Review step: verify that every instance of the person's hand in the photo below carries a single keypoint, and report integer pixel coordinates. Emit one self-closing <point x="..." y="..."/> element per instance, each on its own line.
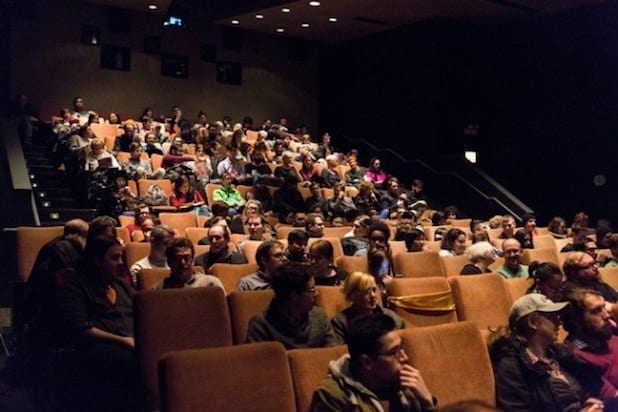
<point x="412" y="379"/>
<point x="129" y="341"/>
<point x="592" y="405"/>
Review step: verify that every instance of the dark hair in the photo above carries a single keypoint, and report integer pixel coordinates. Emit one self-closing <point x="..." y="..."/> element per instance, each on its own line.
<point x="542" y="272"/>
<point x="450" y="210"/>
<point x="290" y="277"/>
<point x="219" y="208"/>
<point x="364" y="335"/>
<point x="178" y="243"/>
<point x="437" y="218"/>
<point x="371" y="162"/>
<point x="310" y="219"/>
<point x="527" y="216"/>
<point x="99" y="226"/>
<point x="298" y="236"/>
<point x="448" y="241"/>
<point x="380" y="227"/>
<point x="410" y="236"/>
<point x="572" y="318"/>
<point x="264" y="250"/>
<point x="95" y="249"/>
<point x="554" y="224"/>
<point x="323" y="248"/>
<point x="182" y="179"/>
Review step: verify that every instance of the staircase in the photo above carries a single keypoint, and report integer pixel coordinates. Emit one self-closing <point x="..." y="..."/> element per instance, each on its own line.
<point x="53" y="190"/>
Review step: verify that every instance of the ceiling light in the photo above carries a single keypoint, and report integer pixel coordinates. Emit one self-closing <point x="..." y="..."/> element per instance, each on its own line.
<point x="332" y="19"/>
<point x="259" y="16"/>
<point x="153" y="6"/>
<point x="305" y="25"/>
<point x="235" y="22"/>
<point x="280" y="30"/>
<point x="314" y="3"/>
<point x="285" y="10"/>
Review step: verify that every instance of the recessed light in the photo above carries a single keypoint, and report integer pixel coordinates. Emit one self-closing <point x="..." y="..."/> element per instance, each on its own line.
<point x="235" y="22"/>
<point x="332" y="19"/>
<point x="153" y="6"/>
<point x="314" y="3"/>
<point x="305" y="25"/>
<point x="280" y="30"/>
<point x="259" y="16"/>
<point x="285" y="10"/>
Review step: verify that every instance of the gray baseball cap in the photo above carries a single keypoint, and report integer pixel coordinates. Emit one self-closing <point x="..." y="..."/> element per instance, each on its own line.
<point x="534" y="302"/>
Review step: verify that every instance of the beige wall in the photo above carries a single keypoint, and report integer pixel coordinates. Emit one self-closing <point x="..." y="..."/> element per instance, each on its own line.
<point x="51" y="66"/>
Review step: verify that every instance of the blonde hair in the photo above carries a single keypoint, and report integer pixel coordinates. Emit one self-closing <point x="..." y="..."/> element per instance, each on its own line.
<point x="356" y="285"/>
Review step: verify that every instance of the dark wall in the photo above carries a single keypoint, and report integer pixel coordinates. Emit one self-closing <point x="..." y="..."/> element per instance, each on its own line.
<point x="544" y="92"/>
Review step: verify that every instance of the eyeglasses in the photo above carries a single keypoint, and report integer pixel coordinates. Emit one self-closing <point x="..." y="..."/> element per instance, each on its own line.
<point x="588" y="266"/>
<point x="396" y="351"/>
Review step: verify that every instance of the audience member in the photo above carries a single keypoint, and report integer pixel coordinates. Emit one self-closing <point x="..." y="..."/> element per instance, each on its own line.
<point x="526" y="235"/>
<point x="415" y="240"/>
<point x="579" y="234"/>
<point x="184" y="196"/>
<point x="292" y="317"/>
<point x="557" y="227"/>
<point x="613" y="247"/>
<point x="220" y="252"/>
<point x="269" y="257"/>
<point x="297" y="246"/>
<point x="361" y="291"/>
<point x="591" y="336"/>
<point x="532" y="372"/>
<point x="180" y="253"/>
<point x="481" y="255"/>
<point x="321" y="256"/>
<point x="123" y="142"/>
<point x="582" y="272"/>
<point x="358" y="238"/>
<point x="512" y="267"/>
<point x="453" y="243"/>
<point x="374" y="173"/>
<point x="228" y="194"/>
<point x="508" y="227"/>
<point x="374" y="373"/>
<point x="548" y="280"/>
<point x="287" y="199"/>
<point x="160" y="237"/>
<point x="314" y="225"/>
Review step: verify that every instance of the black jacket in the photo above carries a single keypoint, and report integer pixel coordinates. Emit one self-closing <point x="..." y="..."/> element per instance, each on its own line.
<point x="522" y="386"/>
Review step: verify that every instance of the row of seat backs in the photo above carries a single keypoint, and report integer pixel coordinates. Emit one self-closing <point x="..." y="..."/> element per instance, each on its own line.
<point x="262" y="376"/>
<point x="166" y="320"/>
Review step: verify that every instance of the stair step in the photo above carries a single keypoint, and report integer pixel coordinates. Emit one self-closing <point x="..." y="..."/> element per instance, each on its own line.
<point x="65" y="214"/>
<point x="57" y="202"/>
<point x="51" y="192"/>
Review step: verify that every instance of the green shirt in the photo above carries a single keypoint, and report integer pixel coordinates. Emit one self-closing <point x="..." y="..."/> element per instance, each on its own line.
<point x="521" y="272"/>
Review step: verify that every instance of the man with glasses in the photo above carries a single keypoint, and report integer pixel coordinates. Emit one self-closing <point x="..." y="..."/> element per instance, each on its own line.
<point x="512" y="267"/>
<point x="374" y="374"/>
<point x="292" y="317"/>
<point x="582" y="272"/>
<point x="270" y="256"/>
<point x="180" y="254"/>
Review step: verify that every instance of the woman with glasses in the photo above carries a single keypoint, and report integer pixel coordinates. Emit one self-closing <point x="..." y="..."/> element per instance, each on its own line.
<point x="532" y="371"/>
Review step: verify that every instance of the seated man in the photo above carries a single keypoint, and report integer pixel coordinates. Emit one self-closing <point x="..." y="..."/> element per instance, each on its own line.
<point x="512" y="268"/>
<point x="218" y="238"/>
<point x="123" y="142"/>
<point x="138" y="168"/>
<point x="591" y="337"/>
<point x="228" y="194"/>
<point x="579" y="239"/>
<point x="508" y="227"/>
<point x="160" y="237"/>
<point x="525" y="236"/>
<point x="297" y="246"/>
<point x="314" y="225"/>
<point x="374" y="373"/>
<point x="292" y="317"/>
<point x="582" y="272"/>
<point x="180" y="253"/>
<point x="269" y="256"/>
<point x="357" y="238"/>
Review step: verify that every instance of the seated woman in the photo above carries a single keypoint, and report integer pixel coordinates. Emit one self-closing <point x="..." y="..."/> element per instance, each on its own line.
<point x="96" y="309"/>
<point x="330" y="175"/>
<point x="184" y="196"/>
<point x="203" y="165"/>
<point x="415" y="240"/>
<point x="453" y="243"/>
<point x="308" y="172"/>
<point x="548" y="279"/>
<point x="286" y="168"/>
<point x="366" y="200"/>
<point x="325" y="272"/>
<point x="481" y="255"/>
<point x="532" y="371"/>
<point x="99" y="157"/>
<point x="361" y="291"/>
<point x="557" y="227"/>
<point x="374" y="173"/>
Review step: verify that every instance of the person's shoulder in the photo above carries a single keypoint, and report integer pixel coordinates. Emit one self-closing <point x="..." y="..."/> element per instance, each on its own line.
<point x="317" y="313"/>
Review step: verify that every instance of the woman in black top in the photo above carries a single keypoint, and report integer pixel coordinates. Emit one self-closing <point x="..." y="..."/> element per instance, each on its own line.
<point x="481" y="255"/>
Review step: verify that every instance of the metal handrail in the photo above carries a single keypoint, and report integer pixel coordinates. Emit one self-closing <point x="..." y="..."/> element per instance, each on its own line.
<point x="454" y="174"/>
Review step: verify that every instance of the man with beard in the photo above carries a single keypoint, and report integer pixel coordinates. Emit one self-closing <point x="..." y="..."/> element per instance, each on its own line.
<point x="591" y="336"/>
<point x="512" y="268"/>
<point x="218" y="239"/>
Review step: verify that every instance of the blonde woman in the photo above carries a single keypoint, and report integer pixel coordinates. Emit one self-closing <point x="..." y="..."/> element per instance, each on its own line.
<point x="361" y="290"/>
